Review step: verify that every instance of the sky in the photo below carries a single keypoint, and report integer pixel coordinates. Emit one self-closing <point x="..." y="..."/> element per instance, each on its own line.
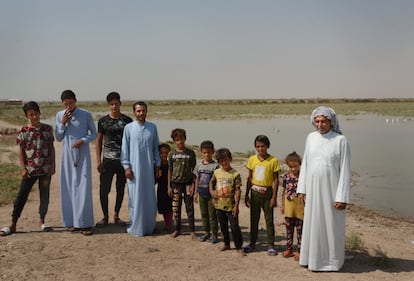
<point x="206" y="49"/>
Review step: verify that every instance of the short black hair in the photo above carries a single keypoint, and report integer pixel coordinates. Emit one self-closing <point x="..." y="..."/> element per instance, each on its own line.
<point x="223" y="153"/>
<point x="263" y="139"/>
<point x="31" y="105"/>
<point x="178" y="132"/>
<point x="113" y="96"/>
<point x="207" y="144"/>
<point x="142" y="103"/>
<point x="164" y="145"/>
<point x="68" y="94"/>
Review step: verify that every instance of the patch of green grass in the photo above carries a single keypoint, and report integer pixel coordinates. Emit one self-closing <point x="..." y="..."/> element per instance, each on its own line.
<point x="9" y="182"/>
<point x="354" y="243"/>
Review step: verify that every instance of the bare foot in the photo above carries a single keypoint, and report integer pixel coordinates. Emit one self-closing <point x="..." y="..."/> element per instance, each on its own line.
<point x="241" y="252"/>
<point x="175" y="234"/>
<point x="224" y="248"/>
<point x="193" y="236"/>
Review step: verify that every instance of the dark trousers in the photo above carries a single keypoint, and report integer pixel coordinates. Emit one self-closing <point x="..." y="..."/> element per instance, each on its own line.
<point x="260" y="202"/>
<point x="25" y="188"/>
<point x="224" y="218"/>
<point x="111" y="168"/>
<point x="180" y="193"/>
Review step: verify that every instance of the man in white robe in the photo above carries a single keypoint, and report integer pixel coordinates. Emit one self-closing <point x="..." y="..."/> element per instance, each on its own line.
<point x="140" y="158"/>
<point x="324" y="184"/>
<point x="76" y="128"/>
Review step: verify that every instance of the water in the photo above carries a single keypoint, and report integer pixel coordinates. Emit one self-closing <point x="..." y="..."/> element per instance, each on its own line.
<point x="381" y="151"/>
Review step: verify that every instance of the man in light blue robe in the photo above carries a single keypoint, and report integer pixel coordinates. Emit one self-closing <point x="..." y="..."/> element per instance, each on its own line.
<point x="76" y="128"/>
<point x="140" y="158"/>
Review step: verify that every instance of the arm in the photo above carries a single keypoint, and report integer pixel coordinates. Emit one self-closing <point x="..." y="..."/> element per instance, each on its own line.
<point x="212" y="188"/>
<point x="342" y="193"/>
<point x="22" y="161"/>
<point x="237" y="193"/>
<point x="129" y="174"/>
<point x="195" y="189"/>
<point x="53" y="158"/>
<point x="59" y="127"/>
<point x="248" y="187"/>
<point x="170" y="191"/>
<point x="273" y="201"/>
<point x="98" y="150"/>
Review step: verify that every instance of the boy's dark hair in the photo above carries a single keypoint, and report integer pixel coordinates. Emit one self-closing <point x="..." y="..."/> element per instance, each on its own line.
<point x="31" y="105"/>
<point x="113" y="96"/>
<point x="68" y="94"/>
<point x="294" y="157"/>
<point x="164" y="145"/>
<point x="263" y="139"/>
<point x="178" y="132"/>
<point x="207" y="145"/>
<point x="142" y="103"/>
<point x="223" y="153"/>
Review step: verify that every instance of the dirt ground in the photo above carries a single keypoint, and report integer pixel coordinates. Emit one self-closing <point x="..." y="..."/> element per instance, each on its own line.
<point x="112" y="254"/>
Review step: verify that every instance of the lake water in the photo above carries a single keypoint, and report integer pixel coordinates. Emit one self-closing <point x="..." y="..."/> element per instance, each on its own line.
<point x="381" y="151"/>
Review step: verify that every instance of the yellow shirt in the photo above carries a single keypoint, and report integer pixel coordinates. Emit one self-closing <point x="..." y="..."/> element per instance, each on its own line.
<point x="263" y="170"/>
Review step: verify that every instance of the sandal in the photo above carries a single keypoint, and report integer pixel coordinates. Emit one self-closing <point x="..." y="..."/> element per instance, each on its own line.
<point x="103" y="222"/>
<point x="120" y="222"/>
<point x="72" y="229"/>
<point x="5" y="231"/>
<point x="86" y="231"/>
<point x="271" y="252"/>
<point x="287" y="254"/>
<point x="204" y="238"/>
<point x="213" y="239"/>
<point x="249" y="248"/>
<point x="297" y="256"/>
<point x="46" y="228"/>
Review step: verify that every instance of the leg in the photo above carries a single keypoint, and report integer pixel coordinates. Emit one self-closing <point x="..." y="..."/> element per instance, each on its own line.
<point x="105" y="187"/>
<point x="213" y="221"/>
<point x="268" y="215"/>
<point x="204" y="210"/>
<point x="290" y="226"/>
<point x="25" y="188"/>
<point x="235" y="231"/>
<point x="44" y="190"/>
<point x="224" y="226"/>
<point x="254" y="217"/>
<point x="176" y="206"/>
<point x="189" y="208"/>
<point x="120" y="188"/>
<point x="299" y="226"/>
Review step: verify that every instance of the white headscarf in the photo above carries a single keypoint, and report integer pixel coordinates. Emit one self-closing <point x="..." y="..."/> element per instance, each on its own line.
<point x="328" y="113"/>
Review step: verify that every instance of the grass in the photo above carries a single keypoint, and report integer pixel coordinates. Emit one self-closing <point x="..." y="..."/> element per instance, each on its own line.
<point x="229" y="109"/>
<point x="9" y="182"/>
<point x="354" y="243"/>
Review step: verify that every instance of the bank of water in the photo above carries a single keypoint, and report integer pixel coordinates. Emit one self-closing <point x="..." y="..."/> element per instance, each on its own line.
<point x="381" y="151"/>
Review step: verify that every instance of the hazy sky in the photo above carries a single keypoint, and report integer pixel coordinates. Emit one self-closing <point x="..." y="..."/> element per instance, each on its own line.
<point x="206" y="49"/>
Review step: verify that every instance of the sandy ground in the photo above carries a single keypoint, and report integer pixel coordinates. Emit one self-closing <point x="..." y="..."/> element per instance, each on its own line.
<point x="111" y="254"/>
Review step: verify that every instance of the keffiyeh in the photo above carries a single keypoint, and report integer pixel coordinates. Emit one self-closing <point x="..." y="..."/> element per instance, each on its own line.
<point x="328" y="113"/>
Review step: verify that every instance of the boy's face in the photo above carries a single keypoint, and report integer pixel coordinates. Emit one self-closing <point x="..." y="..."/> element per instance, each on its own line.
<point x="114" y="106"/>
<point x="225" y="163"/>
<point x="294" y="167"/>
<point x="164" y="153"/>
<point x="70" y="104"/>
<point x="207" y="154"/>
<point x="179" y="142"/>
<point x="33" y="116"/>
<point x="140" y="113"/>
<point x="261" y="148"/>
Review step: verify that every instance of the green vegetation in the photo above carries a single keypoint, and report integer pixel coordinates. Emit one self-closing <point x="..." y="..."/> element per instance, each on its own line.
<point x="9" y="182"/>
<point x="231" y="109"/>
<point x="354" y="243"/>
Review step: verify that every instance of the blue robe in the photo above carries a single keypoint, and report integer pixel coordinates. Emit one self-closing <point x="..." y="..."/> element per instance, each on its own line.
<point x="75" y="168"/>
<point x="140" y="153"/>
